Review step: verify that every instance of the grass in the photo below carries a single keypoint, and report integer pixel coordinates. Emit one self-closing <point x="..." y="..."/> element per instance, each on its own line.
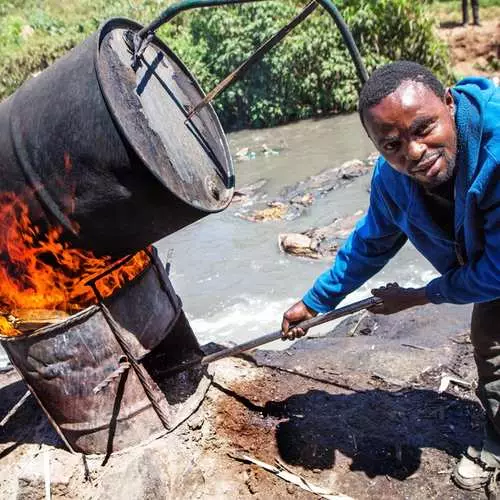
<point x="450" y="11"/>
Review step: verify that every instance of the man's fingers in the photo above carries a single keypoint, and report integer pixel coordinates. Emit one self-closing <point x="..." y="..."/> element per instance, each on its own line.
<point x="293" y="334"/>
<point x="285" y="325"/>
<point x="378" y="309"/>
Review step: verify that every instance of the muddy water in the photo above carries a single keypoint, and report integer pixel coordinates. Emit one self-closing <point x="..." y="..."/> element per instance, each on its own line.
<point x="233" y="280"/>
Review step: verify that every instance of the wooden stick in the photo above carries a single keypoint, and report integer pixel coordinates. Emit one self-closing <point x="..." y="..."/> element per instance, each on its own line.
<point x="287" y="475"/>
<point x="14" y="409"/>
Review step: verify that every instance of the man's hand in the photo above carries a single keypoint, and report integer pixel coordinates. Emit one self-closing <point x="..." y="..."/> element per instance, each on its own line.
<point x="297" y="313"/>
<point x="398" y="299"/>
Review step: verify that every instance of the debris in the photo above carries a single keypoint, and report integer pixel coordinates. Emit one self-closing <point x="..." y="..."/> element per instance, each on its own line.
<point x="387" y="380"/>
<point x="306" y="199"/>
<point x="275" y="210"/>
<point x="284" y="473"/>
<point x="352" y="331"/>
<point x="46" y="473"/>
<point x="419" y="347"/>
<point x="14" y="409"/>
<point x="447" y="379"/>
<point x="463" y="338"/>
<point x="269" y="151"/>
<point x="244" y="154"/>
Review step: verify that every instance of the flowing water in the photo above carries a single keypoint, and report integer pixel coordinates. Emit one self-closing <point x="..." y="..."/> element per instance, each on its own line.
<point x="234" y="282"/>
<point x="229" y="272"/>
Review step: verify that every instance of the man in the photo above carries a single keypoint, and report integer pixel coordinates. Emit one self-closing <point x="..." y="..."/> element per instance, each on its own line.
<point x="436" y="183"/>
<point x="475" y="12"/>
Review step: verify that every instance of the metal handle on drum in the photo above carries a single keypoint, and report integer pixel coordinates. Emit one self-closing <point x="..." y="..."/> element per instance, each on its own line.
<point x="140" y="40"/>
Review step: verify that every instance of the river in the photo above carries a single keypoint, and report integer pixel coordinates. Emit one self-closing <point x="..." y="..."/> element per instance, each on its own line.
<point x="233" y="280"/>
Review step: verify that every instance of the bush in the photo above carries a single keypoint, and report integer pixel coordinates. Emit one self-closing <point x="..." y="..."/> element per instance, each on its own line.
<point x="309" y="74"/>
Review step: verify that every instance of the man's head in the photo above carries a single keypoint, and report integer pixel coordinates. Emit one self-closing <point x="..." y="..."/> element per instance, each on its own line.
<point x="409" y="116"/>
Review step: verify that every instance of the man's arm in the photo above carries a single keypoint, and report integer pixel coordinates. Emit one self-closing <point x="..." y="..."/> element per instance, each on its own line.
<point x="375" y="240"/>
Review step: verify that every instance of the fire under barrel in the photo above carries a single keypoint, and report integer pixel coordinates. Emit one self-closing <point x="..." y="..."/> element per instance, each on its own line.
<point x="104" y="149"/>
<point x="99" y="374"/>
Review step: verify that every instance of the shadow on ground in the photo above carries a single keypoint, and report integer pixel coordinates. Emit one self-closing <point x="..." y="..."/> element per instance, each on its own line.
<point x="28" y="425"/>
<point x="383" y="432"/>
<point x="450" y="24"/>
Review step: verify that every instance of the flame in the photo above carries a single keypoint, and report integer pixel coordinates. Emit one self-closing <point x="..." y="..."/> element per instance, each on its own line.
<point x="39" y="271"/>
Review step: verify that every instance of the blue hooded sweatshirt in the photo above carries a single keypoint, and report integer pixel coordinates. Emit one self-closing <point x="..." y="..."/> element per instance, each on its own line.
<point x="398" y="213"/>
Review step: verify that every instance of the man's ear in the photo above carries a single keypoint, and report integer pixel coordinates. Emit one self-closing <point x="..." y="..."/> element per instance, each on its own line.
<point x="449" y="102"/>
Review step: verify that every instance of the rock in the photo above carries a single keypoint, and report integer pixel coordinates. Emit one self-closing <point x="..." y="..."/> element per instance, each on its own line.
<point x="306" y="200"/>
<point x="196" y="421"/>
<point x="319" y="243"/>
<point x="299" y="244"/>
<point x="339" y="229"/>
<point x="246" y="193"/>
<point x="354" y="168"/>
<point x="161" y="470"/>
<point x="142" y="476"/>
<point x="31" y="482"/>
<point x="330" y="179"/>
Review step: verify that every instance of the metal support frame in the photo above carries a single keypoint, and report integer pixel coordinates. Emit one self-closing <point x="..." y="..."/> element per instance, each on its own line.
<point x="116" y="329"/>
<point x="146" y="34"/>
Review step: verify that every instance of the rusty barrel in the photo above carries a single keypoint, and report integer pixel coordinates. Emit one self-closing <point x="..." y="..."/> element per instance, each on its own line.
<point x="85" y="380"/>
<point x="104" y="149"/>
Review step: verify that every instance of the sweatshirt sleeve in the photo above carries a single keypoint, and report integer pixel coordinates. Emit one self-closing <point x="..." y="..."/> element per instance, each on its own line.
<point x="374" y="241"/>
<point x="479" y="279"/>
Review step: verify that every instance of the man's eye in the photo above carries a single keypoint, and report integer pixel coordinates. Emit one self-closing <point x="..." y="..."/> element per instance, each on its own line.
<point x="423" y="130"/>
<point x="391" y="146"/>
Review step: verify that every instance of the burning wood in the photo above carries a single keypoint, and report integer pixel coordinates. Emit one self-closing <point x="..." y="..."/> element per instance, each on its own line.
<point x="28" y="320"/>
<point x="42" y="279"/>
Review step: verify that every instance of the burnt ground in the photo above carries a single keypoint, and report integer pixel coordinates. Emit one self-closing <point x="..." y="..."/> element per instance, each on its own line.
<point x="356" y="411"/>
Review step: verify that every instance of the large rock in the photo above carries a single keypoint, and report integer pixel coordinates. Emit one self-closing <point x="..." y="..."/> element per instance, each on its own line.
<point x="321" y="242"/>
<point x="155" y="472"/>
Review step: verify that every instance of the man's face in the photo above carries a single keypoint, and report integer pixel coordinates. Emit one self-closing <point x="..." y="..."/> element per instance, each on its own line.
<point x="414" y="130"/>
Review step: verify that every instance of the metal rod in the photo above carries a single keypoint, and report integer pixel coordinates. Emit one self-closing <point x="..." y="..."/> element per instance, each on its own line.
<point x="270" y="337"/>
<point x="256" y="56"/>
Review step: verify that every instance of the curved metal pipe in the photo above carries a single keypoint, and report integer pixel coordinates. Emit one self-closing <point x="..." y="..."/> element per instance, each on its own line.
<point x="175" y="9"/>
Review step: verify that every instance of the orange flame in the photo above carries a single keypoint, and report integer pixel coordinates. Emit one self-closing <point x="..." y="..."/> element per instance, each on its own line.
<point x="38" y="271"/>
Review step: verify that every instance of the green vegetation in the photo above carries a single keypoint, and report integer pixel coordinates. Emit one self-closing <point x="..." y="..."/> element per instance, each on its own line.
<point x="308" y="74"/>
<point x="450" y="11"/>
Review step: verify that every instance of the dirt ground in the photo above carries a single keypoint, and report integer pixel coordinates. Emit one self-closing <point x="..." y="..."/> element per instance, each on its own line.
<point x="475" y="50"/>
<point x="356" y="411"/>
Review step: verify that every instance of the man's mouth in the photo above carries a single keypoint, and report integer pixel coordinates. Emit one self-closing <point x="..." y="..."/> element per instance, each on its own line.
<point x="427" y="167"/>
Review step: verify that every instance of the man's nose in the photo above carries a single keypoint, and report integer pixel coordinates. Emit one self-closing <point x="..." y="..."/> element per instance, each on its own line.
<point x="415" y="150"/>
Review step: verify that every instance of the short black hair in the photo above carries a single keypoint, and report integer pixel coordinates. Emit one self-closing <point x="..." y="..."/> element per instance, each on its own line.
<point x="386" y="79"/>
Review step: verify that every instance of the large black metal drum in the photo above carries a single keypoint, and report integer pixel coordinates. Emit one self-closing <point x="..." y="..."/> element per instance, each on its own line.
<point x="105" y="150"/>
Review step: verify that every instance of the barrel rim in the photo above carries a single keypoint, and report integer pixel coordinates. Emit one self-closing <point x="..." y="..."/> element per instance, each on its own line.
<point x="77" y="317"/>
<point x="89" y="311"/>
<point x="122" y="22"/>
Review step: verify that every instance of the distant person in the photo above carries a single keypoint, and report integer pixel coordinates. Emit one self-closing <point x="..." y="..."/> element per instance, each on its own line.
<point x="437" y="184"/>
<point x="475" y="12"/>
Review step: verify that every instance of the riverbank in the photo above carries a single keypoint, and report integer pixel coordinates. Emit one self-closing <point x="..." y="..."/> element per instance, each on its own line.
<point x="355" y="412"/>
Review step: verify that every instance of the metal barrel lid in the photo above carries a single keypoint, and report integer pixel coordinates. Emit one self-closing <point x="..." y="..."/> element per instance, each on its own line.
<point x="150" y="103"/>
